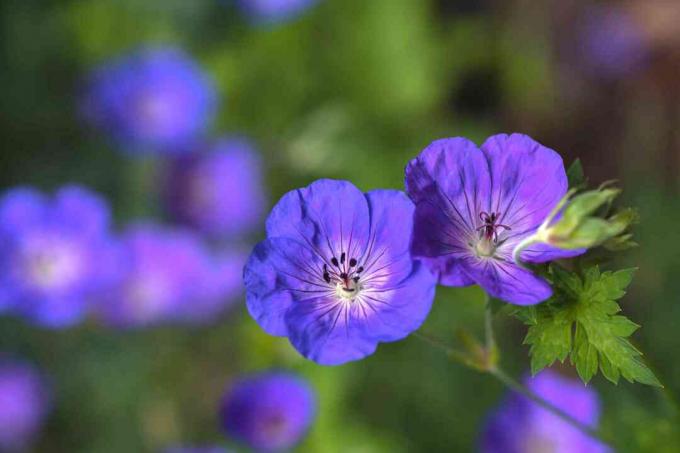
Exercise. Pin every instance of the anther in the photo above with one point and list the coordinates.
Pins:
(342, 257)
(334, 260)
(343, 275)
(327, 277)
(360, 270)
(352, 262)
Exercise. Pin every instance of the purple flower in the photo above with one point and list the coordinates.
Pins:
(335, 274)
(221, 192)
(611, 43)
(155, 99)
(268, 412)
(272, 11)
(24, 404)
(473, 206)
(168, 276)
(54, 252)
(521, 426)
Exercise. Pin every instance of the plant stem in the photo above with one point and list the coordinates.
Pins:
(518, 387)
(507, 380)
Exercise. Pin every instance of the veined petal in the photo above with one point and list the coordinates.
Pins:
(527, 180)
(331, 216)
(387, 259)
(449, 183)
(449, 271)
(542, 253)
(507, 281)
(392, 314)
(279, 272)
(329, 331)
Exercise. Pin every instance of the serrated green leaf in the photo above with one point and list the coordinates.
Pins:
(582, 321)
(584, 355)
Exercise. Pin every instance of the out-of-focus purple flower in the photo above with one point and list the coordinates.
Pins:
(221, 192)
(335, 274)
(473, 206)
(203, 449)
(272, 11)
(611, 43)
(521, 426)
(153, 100)
(24, 404)
(268, 412)
(54, 252)
(168, 276)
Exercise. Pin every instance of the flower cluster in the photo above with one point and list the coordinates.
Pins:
(522, 426)
(341, 271)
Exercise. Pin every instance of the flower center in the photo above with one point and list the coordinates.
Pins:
(488, 233)
(52, 265)
(344, 275)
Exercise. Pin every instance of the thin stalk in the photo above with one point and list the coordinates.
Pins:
(518, 387)
(510, 383)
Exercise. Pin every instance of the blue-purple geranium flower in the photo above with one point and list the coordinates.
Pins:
(335, 274)
(219, 192)
(167, 275)
(24, 404)
(268, 412)
(521, 426)
(54, 252)
(152, 100)
(474, 205)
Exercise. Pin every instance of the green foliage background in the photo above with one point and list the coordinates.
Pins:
(352, 90)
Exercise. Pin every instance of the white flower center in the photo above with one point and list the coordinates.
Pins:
(348, 292)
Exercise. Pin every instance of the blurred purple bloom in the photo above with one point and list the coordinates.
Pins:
(268, 412)
(153, 100)
(54, 252)
(272, 11)
(473, 206)
(221, 192)
(168, 276)
(611, 43)
(335, 274)
(521, 426)
(24, 404)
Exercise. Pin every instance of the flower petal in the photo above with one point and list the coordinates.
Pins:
(387, 259)
(280, 271)
(328, 331)
(81, 211)
(393, 314)
(528, 180)
(21, 208)
(542, 253)
(509, 282)
(448, 271)
(449, 183)
(330, 216)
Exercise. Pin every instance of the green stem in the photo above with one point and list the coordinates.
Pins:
(508, 381)
(518, 387)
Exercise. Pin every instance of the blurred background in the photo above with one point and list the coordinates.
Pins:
(286, 93)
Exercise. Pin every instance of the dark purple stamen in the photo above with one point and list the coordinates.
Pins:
(490, 228)
(360, 270)
(347, 275)
(352, 262)
(334, 260)
(342, 257)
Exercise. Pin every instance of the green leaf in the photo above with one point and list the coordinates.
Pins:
(582, 321)
(575, 175)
